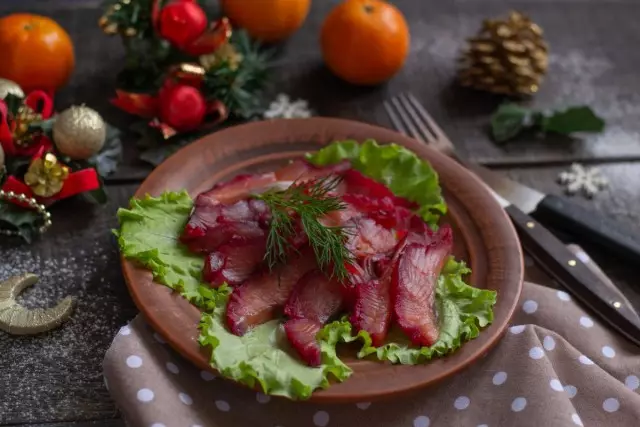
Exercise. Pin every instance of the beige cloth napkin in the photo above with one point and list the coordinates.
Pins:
(556, 366)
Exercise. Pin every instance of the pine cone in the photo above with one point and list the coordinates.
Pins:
(507, 57)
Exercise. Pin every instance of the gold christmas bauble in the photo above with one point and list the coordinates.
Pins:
(8, 87)
(508, 57)
(79, 132)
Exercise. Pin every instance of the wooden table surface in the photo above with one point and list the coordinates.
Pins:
(56, 379)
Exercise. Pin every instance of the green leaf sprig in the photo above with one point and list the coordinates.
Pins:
(307, 202)
(510, 120)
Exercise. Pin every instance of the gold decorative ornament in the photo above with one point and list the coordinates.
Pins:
(9, 87)
(19, 320)
(79, 132)
(23, 120)
(31, 203)
(507, 57)
(225, 53)
(46, 176)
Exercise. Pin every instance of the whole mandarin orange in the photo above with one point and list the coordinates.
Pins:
(267, 20)
(365, 42)
(37, 53)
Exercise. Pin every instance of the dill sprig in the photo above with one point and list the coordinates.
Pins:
(308, 202)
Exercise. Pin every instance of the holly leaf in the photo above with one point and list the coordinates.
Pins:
(158, 154)
(573, 119)
(509, 121)
(17, 165)
(44, 126)
(107, 160)
(13, 103)
(24, 221)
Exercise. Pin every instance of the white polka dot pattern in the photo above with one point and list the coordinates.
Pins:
(518, 404)
(536, 353)
(145, 395)
(563, 296)
(134, 361)
(530, 306)
(549, 343)
(422, 421)
(321, 419)
(608, 352)
(499, 378)
(611, 404)
(461, 403)
(632, 382)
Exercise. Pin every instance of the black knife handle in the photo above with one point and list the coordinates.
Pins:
(554, 257)
(564, 215)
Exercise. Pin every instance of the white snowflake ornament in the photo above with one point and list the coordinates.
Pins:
(284, 108)
(579, 178)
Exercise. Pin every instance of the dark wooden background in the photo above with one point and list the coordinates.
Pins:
(56, 379)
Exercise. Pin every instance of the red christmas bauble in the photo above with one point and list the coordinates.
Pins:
(182, 22)
(182, 107)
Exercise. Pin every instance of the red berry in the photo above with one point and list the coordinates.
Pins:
(182, 22)
(182, 107)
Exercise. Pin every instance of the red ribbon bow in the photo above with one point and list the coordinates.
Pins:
(77, 182)
(40, 102)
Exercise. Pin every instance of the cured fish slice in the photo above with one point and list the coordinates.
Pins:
(313, 301)
(414, 287)
(261, 296)
(234, 262)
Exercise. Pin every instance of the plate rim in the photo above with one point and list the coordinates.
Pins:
(200, 357)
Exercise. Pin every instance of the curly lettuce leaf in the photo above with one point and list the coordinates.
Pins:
(148, 234)
(462, 310)
(264, 356)
(398, 168)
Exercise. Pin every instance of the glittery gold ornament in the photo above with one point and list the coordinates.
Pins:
(23, 119)
(8, 87)
(507, 57)
(225, 53)
(79, 132)
(19, 320)
(46, 176)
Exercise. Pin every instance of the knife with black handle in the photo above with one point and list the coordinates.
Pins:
(562, 265)
(563, 215)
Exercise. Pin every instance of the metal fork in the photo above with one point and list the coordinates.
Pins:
(409, 117)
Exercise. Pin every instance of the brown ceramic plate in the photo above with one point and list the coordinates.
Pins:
(484, 237)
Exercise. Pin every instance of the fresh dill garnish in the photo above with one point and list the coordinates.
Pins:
(303, 204)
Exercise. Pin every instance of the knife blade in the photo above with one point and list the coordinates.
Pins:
(561, 264)
(563, 215)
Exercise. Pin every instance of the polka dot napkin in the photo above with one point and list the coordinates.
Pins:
(556, 366)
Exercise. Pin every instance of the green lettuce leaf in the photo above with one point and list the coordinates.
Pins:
(148, 234)
(398, 168)
(462, 311)
(264, 356)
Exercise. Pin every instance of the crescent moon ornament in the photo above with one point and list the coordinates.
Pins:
(18, 320)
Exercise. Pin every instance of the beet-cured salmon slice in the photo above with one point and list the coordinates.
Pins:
(357, 183)
(372, 309)
(301, 170)
(383, 210)
(414, 287)
(234, 262)
(239, 187)
(259, 298)
(367, 238)
(302, 336)
(315, 297)
(212, 224)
